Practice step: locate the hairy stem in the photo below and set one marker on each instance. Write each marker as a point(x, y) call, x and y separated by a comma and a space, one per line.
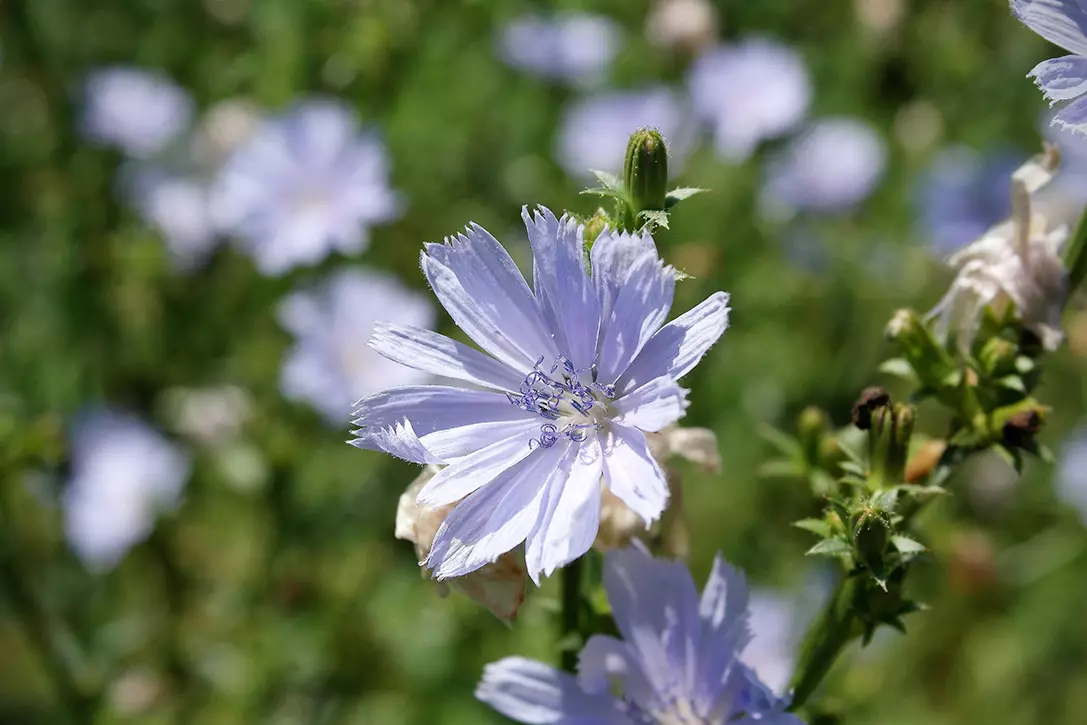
point(824, 642)
point(571, 635)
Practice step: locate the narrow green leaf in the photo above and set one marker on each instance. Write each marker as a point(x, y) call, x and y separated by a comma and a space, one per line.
point(830, 547)
point(609, 180)
point(819, 527)
point(907, 546)
point(677, 195)
point(899, 367)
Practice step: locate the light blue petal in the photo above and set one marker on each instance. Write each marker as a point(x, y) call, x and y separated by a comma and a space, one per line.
point(724, 613)
point(678, 346)
point(478, 284)
point(495, 518)
point(399, 440)
point(632, 474)
point(475, 470)
point(653, 406)
point(1073, 117)
point(433, 353)
point(537, 694)
point(613, 256)
point(1063, 22)
point(570, 519)
point(640, 309)
point(655, 606)
point(450, 422)
point(558, 253)
point(1061, 79)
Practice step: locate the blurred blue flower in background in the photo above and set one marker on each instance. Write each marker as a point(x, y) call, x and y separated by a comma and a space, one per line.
point(123, 474)
point(1063, 23)
point(139, 112)
point(835, 164)
point(330, 365)
point(1071, 479)
point(306, 184)
point(963, 193)
point(593, 131)
point(755, 90)
point(578, 373)
point(576, 48)
point(178, 207)
point(677, 661)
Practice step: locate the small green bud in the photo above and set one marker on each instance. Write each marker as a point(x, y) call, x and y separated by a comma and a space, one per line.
point(812, 426)
point(998, 356)
point(645, 171)
point(595, 225)
point(870, 538)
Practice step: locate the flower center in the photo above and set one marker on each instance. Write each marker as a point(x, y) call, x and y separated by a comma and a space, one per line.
point(560, 395)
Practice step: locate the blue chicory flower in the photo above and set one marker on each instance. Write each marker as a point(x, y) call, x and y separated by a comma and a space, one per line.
point(330, 365)
point(578, 370)
point(576, 48)
point(962, 194)
point(1071, 479)
point(1063, 23)
point(306, 184)
point(676, 663)
point(755, 90)
point(834, 165)
point(137, 111)
point(123, 474)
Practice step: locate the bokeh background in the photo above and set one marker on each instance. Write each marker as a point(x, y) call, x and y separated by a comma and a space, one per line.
point(195, 240)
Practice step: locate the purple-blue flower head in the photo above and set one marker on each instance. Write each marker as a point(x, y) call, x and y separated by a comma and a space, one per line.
point(1063, 23)
point(574, 371)
point(306, 184)
point(833, 166)
point(676, 663)
point(962, 194)
point(576, 48)
point(746, 93)
point(593, 132)
point(137, 111)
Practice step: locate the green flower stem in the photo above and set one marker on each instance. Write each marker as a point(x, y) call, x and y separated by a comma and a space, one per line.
point(1075, 256)
point(54, 644)
point(825, 641)
point(571, 635)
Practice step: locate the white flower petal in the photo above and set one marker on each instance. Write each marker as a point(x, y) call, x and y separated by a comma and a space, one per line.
point(640, 309)
point(678, 346)
point(568, 524)
point(478, 469)
point(632, 474)
point(653, 406)
point(428, 351)
point(496, 517)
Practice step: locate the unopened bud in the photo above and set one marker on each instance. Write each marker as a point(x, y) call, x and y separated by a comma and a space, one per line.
point(645, 171)
point(812, 428)
point(595, 225)
point(998, 356)
point(1021, 427)
point(870, 537)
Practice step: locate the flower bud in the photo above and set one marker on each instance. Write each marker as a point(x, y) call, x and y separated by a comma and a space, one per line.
point(645, 171)
point(498, 586)
point(870, 537)
point(998, 356)
point(595, 225)
point(870, 401)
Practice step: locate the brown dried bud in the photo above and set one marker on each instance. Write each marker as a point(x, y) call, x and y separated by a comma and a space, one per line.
point(871, 400)
point(1022, 426)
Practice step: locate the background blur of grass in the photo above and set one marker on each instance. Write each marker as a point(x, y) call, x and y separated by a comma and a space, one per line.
point(290, 601)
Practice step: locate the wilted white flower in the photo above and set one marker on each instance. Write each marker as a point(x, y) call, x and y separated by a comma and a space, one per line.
point(746, 93)
point(306, 184)
point(123, 474)
point(1063, 199)
point(576, 48)
point(593, 132)
point(1016, 262)
point(330, 365)
point(835, 164)
point(681, 25)
point(499, 586)
point(136, 111)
